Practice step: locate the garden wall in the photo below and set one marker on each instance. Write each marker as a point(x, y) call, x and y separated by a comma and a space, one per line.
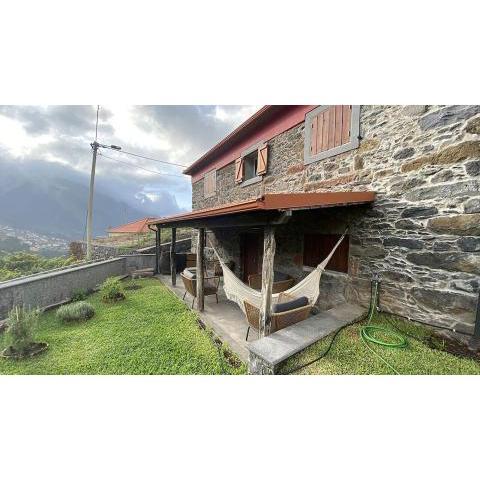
point(50, 288)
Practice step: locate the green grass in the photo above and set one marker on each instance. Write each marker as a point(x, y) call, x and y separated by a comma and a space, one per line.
point(150, 332)
point(349, 355)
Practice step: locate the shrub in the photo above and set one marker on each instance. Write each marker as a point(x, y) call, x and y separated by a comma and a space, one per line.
point(21, 326)
point(112, 290)
point(79, 295)
point(73, 312)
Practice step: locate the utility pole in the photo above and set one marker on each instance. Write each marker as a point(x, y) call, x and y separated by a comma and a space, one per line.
point(94, 146)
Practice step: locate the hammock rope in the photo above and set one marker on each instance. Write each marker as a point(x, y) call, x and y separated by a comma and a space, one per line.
point(309, 287)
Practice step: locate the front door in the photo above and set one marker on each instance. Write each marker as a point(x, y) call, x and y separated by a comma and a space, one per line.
point(251, 253)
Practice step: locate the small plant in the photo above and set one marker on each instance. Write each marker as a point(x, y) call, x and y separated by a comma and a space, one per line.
point(79, 295)
point(73, 312)
point(112, 290)
point(20, 334)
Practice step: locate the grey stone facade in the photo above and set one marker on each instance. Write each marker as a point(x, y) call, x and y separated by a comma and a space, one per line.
point(422, 235)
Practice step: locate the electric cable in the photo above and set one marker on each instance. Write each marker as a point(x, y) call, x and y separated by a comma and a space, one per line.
point(145, 157)
point(141, 168)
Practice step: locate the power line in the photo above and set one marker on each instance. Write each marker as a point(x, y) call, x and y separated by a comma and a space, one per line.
point(146, 158)
point(141, 168)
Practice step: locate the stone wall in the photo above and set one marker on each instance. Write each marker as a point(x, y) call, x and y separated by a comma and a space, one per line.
point(422, 234)
point(50, 288)
point(103, 252)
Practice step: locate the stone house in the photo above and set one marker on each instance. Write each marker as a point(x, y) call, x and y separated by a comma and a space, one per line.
point(421, 235)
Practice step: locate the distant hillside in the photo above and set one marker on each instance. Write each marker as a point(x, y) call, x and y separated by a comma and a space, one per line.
point(49, 203)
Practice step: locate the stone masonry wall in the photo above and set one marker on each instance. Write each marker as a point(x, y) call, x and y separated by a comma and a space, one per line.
point(422, 234)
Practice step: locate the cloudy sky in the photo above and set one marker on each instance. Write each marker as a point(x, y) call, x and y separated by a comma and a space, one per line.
point(57, 139)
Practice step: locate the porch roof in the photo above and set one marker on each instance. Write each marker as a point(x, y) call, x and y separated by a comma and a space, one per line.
point(267, 206)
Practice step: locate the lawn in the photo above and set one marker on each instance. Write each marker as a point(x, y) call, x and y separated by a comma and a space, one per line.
point(150, 332)
point(349, 355)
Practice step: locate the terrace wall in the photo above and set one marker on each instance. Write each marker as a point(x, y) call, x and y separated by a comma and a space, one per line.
point(422, 235)
point(50, 288)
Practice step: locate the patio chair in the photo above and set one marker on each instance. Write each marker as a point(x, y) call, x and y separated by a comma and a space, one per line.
point(283, 317)
point(281, 282)
point(210, 284)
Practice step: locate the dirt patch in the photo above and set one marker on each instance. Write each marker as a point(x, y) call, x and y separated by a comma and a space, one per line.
point(33, 349)
point(451, 345)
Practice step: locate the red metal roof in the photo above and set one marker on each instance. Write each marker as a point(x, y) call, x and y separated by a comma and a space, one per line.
point(138, 226)
point(275, 201)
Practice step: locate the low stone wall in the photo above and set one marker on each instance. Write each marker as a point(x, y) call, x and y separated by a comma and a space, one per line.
point(102, 252)
point(137, 262)
point(55, 287)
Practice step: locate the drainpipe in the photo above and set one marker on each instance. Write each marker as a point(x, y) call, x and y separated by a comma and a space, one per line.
point(157, 247)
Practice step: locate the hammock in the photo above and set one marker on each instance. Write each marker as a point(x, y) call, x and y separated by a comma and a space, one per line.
point(309, 287)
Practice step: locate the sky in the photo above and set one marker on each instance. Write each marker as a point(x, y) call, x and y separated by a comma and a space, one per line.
point(56, 139)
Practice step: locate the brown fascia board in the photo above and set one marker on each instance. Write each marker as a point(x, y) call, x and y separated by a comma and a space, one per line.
point(275, 201)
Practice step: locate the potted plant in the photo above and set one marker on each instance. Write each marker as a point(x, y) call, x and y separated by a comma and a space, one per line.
point(19, 336)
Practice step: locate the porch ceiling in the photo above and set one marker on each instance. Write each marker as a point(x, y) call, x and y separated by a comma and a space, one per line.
point(262, 210)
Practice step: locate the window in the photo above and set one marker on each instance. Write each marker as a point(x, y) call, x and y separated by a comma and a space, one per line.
point(210, 184)
point(331, 130)
point(252, 164)
point(317, 246)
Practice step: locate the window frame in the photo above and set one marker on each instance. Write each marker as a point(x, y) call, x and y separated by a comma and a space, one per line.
point(351, 145)
point(256, 178)
point(212, 173)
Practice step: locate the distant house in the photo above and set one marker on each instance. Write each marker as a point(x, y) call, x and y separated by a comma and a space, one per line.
point(138, 227)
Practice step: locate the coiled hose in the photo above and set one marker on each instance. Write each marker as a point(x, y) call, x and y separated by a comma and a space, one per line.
point(367, 334)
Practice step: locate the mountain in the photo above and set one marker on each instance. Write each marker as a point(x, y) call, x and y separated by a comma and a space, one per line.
point(48, 201)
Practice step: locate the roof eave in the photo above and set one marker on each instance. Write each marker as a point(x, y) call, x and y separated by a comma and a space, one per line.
point(229, 138)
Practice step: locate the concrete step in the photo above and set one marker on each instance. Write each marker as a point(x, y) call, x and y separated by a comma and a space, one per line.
point(266, 354)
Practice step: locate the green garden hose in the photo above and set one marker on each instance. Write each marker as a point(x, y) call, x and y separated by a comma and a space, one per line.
point(368, 331)
point(367, 334)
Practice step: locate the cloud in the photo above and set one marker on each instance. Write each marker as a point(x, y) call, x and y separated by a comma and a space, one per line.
point(57, 139)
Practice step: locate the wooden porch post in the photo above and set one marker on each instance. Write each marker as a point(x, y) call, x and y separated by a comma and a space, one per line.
point(157, 250)
point(173, 257)
point(267, 279)
point(200, 253)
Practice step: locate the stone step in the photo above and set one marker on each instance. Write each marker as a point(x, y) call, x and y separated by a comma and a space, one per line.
point(266, 354)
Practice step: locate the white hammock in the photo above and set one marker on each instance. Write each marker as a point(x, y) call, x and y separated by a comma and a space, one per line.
point(309, 287)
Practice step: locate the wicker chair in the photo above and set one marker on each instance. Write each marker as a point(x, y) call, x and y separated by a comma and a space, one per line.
point(255, 281)
point(210, 286)
point(278, 320)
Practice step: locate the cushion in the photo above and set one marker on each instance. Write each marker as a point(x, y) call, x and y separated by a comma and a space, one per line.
point(291, 305)
point(279, 276)
point(190, 273)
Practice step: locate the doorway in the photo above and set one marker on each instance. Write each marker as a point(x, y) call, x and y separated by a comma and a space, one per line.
point(251, 253)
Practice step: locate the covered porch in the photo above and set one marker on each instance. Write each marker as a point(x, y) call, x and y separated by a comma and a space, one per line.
point(269, 217)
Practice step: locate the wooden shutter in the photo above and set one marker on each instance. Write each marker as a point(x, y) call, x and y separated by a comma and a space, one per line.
point(210, 184)
point(239, 170)
point(317, 246)
point(262, 160)
point(330, 128)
